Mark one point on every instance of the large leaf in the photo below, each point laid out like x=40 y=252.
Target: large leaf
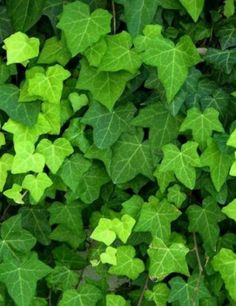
x=193 y=7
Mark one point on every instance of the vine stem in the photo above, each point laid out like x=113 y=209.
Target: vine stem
x=196 y=289
x=143 y=290
x=114 y=16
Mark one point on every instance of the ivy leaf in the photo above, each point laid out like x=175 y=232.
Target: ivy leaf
x=55 y=152
x=202 y=124
x=218 y=162
x=159 y=294
x=68 y=217
x=24 y=14
x=36 y=185
x=185 y=292
x=156 y=217
x=176 y=196
x=227 y=36
x=20 y=48
x=225 y=263
x=82 y=29
x=115 y=300
x=204 y=220
x=128 y=151
x=123 y=227
x=172 y=61
x=48 y=85
x=25 y=113
x=20 y=277
x=14 y=193
x=15 y=240
x=62 y=278
x=193 y=7
x=222 y=60
x=87 y=295
x=167 y=259
x=119 y=55
x=104 y=231
x=105 y=87
x=229 y=8
x=137 y=14
x=230 y=210
x=108 y=125
x=5 y=166
x=26 y=160
x=73 y=169
x=163 y=178
x=109 y=256
x=54 y=51
x=181 y=162
x=127 y=265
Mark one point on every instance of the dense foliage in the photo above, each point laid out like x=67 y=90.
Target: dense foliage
x=117 y=166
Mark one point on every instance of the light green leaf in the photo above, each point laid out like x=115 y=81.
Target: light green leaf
x=14 y=193
x=159 y=294
x=218 y=162
x=127 y=265
x=109 y=256
x=20 y=48
x=108 y=125
x=229 y=8
x=176 y=196
x=202 y=124
x=181 y=162
x=186 y=293
x=123 y=227
x=26 y=160
x=15 y=240
x=172 y=61
x=156 y=217
x=225 y=263
x=87 y=295
x=167 y=259
x=21 y=277
x=204 y=220
x=128 y=151
x=54 y=152
x=104 y=231
x=54 y=51
x=48 y=85
x=193 y=7
x=232 y=139
x=115 y=300
x=230 y=210
x=36 y=185
x=119 y=55
x=82 y=29
x=105 y=87
x=5 y=166
x=69 y=220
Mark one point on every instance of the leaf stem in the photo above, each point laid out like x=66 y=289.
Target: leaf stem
x=143 y=290
x=114 y=16
x=196 y=289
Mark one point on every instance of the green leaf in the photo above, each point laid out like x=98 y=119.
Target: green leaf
x=218 y=162
x=159 y=294
x=123 y=227
x=14 y=193
x=21 y=277
x=166 y=259
x=54 y=51
x=105 y=87
x=225 y=263
x=172 y=61
x=227 y=36
x=20 y=48
x=108 y=125
x=36 y=185
x=115 y=300
x=138 y=13
x=104 y=232
x=156 y=217
x=82 y=29
x=181 y=162
x=24 y=13
x=193 y=7
x=222 y=60
x=87 y=295
x=25 y=113
x=54 y=152
x=26 y=160
x=119 y=55
x=68 y=217
x=48 y=85
x=230 y=210
x=204 y=220
x=163 y=178
x=127 y=265
x=229 y=8
x=185 y=292
x=15 y=240
x=62 y=278
x=109 y=256
x=176 y=196
x=128 y=151
x=202 y=124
